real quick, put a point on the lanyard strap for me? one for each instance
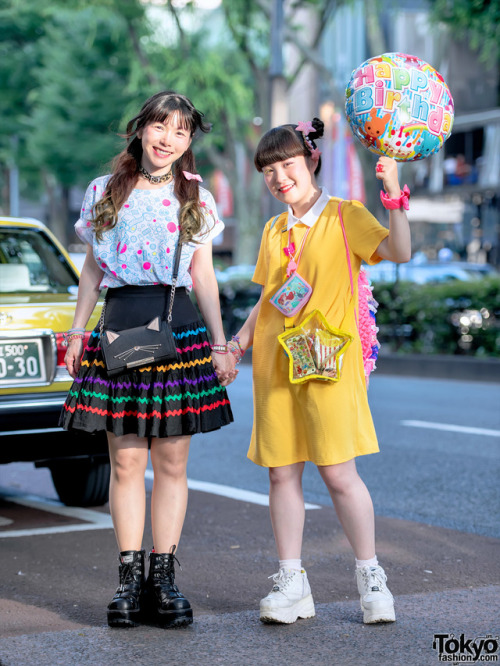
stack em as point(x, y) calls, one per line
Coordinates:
point(292, 264)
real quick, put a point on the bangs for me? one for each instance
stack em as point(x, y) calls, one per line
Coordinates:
point(169, 107)
point(279, 144)
point(169, 112)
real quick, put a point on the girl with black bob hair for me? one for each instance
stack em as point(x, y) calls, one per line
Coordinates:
point(321, 240)
point(132, 221)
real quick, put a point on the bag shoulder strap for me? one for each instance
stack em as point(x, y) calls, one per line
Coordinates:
point(348, 254)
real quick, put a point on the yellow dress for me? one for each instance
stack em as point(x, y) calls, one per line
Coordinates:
point(323, 422)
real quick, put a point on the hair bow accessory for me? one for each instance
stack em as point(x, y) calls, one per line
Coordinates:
point(192, 176)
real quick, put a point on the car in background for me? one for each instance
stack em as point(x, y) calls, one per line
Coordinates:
point(38, 291)
point(428, 272)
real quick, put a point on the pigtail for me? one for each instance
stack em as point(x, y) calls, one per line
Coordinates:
point(319, 129)
point(191, 217)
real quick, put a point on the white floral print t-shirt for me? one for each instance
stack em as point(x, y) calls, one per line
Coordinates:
point(140, 249)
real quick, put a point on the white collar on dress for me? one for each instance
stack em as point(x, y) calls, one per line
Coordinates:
point(310, 218)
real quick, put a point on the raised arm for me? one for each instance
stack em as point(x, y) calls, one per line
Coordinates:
point(396, 246)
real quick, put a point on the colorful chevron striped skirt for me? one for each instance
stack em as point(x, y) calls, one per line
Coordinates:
point(181, 398)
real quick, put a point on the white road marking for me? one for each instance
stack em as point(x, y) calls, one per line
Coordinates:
point(452, 428)
point(95, 519)
point(230, 492)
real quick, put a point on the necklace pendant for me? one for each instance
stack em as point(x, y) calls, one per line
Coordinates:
point(292, 266)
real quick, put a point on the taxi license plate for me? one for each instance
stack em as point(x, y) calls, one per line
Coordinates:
point(21, 361)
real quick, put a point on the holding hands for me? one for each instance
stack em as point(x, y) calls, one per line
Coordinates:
point(225, 366)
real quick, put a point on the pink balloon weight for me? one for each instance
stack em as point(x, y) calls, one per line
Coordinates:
point(398, 105)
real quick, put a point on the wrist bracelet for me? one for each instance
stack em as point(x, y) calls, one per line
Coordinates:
point(221, 349)
point(396, 202)
point(236, 339)
point(235, 351)
point(75, 330)
point(73, 336)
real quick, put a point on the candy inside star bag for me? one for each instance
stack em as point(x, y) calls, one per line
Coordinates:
point(315, 349)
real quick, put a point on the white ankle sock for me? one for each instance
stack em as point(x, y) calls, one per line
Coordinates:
point(295, 565)
point(373, 562)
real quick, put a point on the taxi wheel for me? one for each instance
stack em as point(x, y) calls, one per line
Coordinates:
point(81, 482)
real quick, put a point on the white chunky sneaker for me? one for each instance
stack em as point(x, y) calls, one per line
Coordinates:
point(289, 599)
point(377, 602)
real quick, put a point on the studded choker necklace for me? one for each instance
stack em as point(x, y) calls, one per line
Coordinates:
point(155, 179)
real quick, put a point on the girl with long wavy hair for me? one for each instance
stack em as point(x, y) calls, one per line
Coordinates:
point(134, 221)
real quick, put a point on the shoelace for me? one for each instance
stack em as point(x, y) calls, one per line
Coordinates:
point(374, 579)
point(127, 573)
point(281, 579)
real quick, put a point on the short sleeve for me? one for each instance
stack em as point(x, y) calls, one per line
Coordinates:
point(213, 226)
point(83, 227)
point(364, 232)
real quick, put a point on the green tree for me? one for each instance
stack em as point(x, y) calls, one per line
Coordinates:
point(477, 20)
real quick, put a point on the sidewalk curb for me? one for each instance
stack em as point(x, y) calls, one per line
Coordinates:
point(438, 366)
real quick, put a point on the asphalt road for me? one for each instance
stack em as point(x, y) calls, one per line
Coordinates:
point(436, 496)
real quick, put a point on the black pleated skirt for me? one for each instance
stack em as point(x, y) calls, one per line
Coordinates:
point(180, 398)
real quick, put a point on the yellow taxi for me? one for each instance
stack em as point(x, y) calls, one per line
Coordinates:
point(38, 291)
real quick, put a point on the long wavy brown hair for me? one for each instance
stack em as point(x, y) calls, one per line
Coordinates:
point(158, 108)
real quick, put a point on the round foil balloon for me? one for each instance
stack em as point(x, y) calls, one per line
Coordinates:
point(398, 105)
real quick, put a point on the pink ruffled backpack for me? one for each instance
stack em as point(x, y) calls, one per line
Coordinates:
point(365, 313)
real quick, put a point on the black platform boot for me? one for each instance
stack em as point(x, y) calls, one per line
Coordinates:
point(125, 609)
point(166, 606)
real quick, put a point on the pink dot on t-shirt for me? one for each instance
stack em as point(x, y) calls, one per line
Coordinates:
point(168, 250)
point(146, 265)
point(171, 227)
point(126, 205)
point(124, 265)
point(95, 188)
point(114, 273)
point(89, 224)
point(202, 203)
point(166, 202)
point(103, 265)
point(124, 249)
point(139, 251)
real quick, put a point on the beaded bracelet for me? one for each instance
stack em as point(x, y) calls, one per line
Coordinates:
point(236, 339)
point(396, 202)
point(73, 336)
point(235, 351)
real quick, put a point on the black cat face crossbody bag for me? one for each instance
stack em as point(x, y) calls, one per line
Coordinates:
point(150, 344)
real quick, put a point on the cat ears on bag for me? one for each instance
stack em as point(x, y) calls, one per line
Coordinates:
point(154, 325)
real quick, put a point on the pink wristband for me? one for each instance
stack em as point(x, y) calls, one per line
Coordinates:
point(397, 202)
